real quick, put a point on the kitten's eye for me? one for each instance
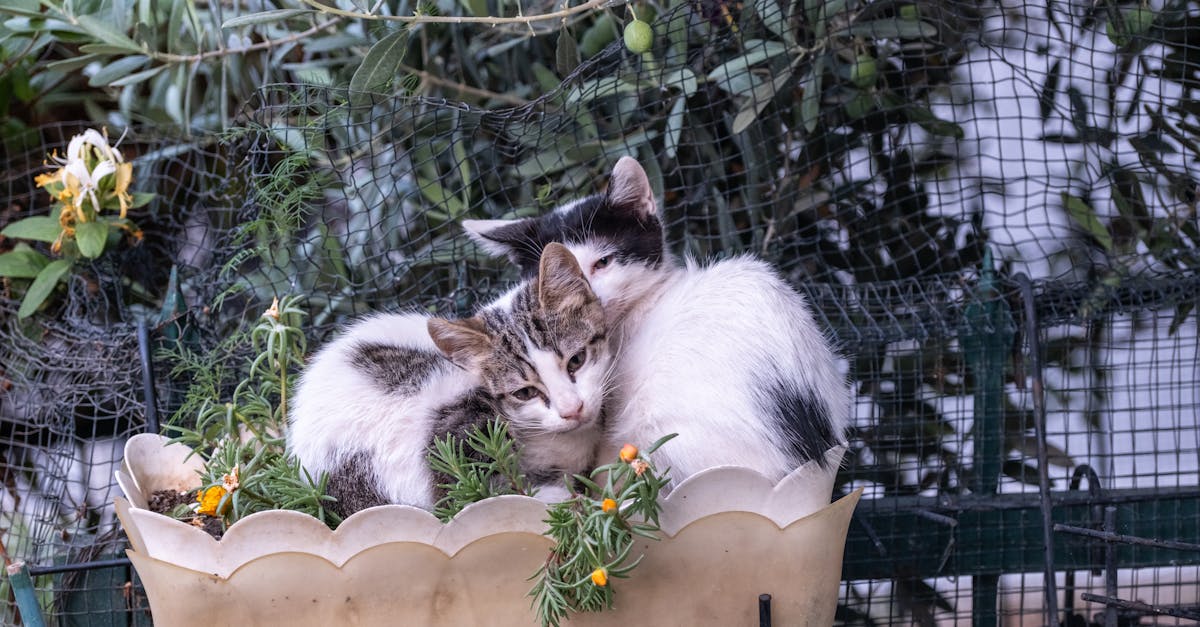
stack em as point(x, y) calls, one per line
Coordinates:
point(601, 263)
point(576, 361)
point(525, 393)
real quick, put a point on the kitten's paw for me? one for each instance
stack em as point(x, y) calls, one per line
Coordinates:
point(554, 493)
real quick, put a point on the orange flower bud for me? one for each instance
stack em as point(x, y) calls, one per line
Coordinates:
point(600, 577)
point(608, 505)
point(210, 499)
point(629, 453)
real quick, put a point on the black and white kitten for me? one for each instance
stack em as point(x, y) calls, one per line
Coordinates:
point(727, 355)
point(370, 403)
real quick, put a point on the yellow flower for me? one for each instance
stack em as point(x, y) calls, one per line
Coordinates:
point(629, 453)
point(273, 312)
point(210, 499)
point(600, 577)
point(608, 505)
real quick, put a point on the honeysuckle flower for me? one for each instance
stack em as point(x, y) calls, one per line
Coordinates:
point(87, 181)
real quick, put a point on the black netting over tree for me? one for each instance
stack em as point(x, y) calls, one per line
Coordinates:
point(991, 207)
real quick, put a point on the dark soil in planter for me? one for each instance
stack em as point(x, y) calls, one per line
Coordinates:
point(166, 502)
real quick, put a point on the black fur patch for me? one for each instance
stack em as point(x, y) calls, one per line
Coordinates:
point(353, 485)
point(803, 419)
point(396, 368)
point(637, 238)
point(459, 418)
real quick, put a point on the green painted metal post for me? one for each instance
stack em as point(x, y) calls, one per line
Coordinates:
point(986, 338)
point(26, 597)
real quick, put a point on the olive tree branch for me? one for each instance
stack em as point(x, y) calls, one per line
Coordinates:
point(590, 5)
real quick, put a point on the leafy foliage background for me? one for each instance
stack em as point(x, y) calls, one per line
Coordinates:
point(875, 151)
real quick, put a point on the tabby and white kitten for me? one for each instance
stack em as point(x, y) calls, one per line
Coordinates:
point(727, 355)
point(370, 403)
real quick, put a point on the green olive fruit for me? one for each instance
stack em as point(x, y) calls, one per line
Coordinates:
point(864, 71)
point(638, 36)
point(1137, 23)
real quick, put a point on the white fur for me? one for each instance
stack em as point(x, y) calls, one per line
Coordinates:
point(338, 410)
point(695, 347)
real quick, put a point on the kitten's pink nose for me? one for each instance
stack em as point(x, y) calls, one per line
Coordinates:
point(574, 414)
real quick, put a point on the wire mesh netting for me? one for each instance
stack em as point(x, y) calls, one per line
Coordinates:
point(991, 208)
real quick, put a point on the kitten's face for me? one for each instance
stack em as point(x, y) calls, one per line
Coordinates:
point(546, 357)
point(616, 237)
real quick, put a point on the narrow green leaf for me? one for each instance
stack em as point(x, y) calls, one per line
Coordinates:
point(932, 123)
point(762, 95)
point(71, 64)
point(1085, 216)
point(100, 28)
point(775, 19)
point(566, 52)
point(475, 7)
point(103, 49)
point(674, 128)
point(118, 69)
point(735, 73)
point(892, 28)
point(91, 236)
point(601, 88)
point(37, 228)
point(381, 64)
point(435, 193)
point(13, 9)
point(22, 263)
point(1181, 313)
point(42, 286)
point(264, 17)
point(810, 103)
point(138, 77)
point(1049, 90)
point(141, 199)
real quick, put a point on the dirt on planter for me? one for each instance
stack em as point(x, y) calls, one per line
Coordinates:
point(168, 502)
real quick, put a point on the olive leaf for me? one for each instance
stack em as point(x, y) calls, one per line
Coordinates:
point(117, 69)
point(264, 17)
point(762, 95)
point(380, 67)
point(891, 28)
point(1085, 216)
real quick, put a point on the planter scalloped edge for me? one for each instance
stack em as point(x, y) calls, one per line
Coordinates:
point(729, 534)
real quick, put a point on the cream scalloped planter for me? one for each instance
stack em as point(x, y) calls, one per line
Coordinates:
point(729, 536)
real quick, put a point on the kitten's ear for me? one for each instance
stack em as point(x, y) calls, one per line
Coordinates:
point(498, 238)
point(561, 285)
point(464, 342)
point(629, 188)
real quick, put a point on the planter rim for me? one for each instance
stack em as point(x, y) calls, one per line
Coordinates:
point(153, 463)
